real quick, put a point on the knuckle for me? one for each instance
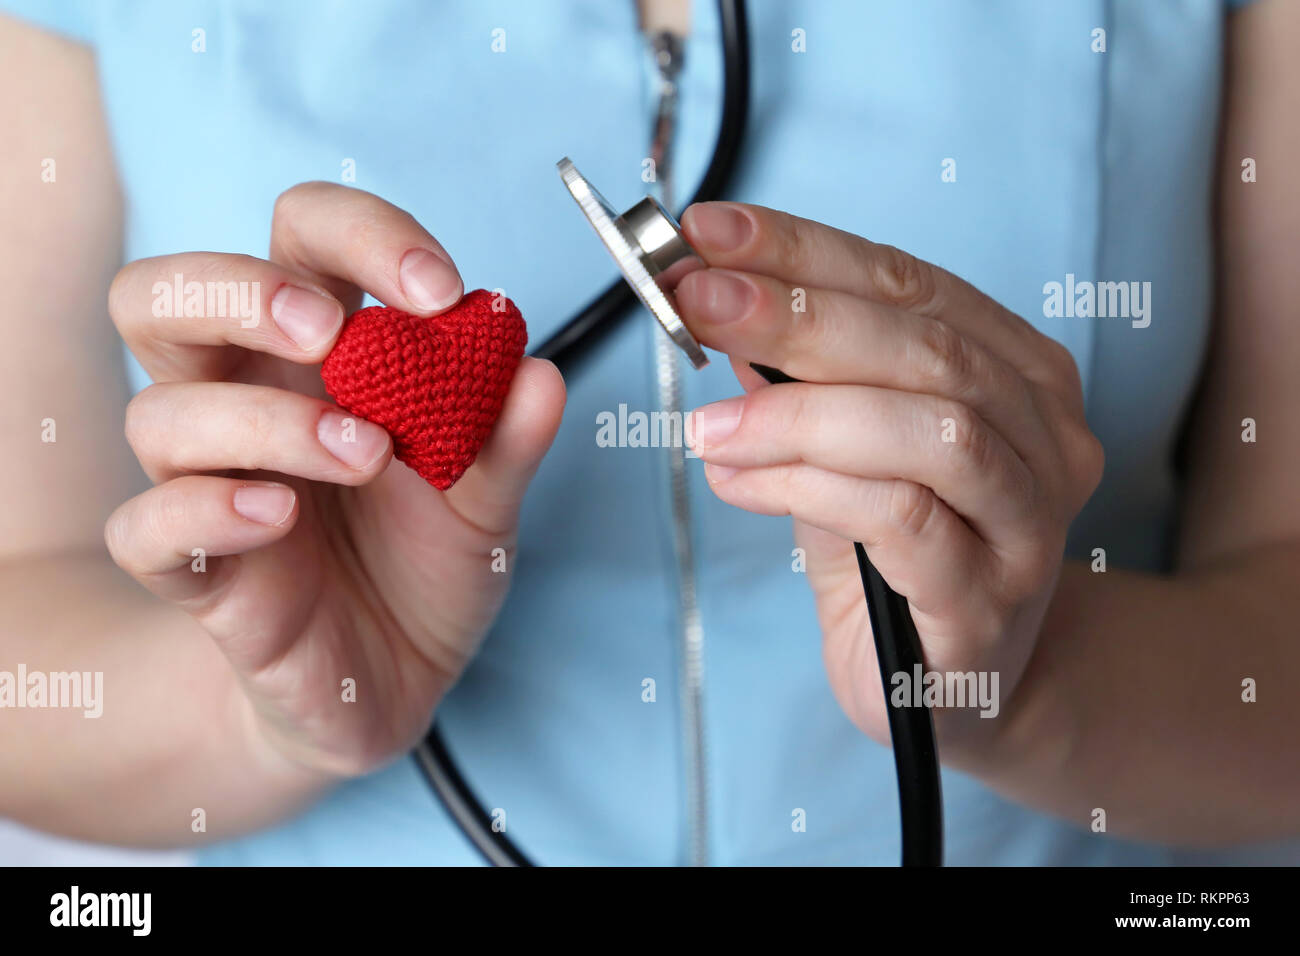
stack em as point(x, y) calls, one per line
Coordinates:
point(796, 413)
point(801, 303)
point(170, 507)
point(791, 482)
point(978, 448)
point(1086, 458)
point(1061, 369)
point(117, 295)
point(365, 231)
point(990, 619)
point(790, 236)
point(820, 325)
point(948, 359)
point(292, 200)
point(901, 278)
point(972, 447)
point(1021, 579)
point(144, 525)
point(1096, 458)
point(1059, 355)
point(285, 205)
point(910, 507)
point(117, 530)
point(253, 430)
point(140, 413)
point(1063, 359)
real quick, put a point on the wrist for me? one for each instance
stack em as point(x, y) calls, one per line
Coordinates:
point(271, 769)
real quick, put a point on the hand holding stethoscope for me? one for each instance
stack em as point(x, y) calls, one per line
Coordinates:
point(938, 428)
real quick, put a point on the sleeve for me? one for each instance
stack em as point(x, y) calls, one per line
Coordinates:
point(74, 19)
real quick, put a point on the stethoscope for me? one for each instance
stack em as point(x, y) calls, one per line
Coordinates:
point(652, 254)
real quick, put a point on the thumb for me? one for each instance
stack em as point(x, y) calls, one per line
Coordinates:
point(490, 492)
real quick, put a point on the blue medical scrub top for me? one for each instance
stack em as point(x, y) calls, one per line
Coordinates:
point(1068, 162)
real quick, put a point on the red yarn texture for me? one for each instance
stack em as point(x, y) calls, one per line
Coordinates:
point(435, 384)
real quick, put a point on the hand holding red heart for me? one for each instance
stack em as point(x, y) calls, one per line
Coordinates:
point(346, 593)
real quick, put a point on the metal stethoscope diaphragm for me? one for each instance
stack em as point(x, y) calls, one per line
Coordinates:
point(647, 244)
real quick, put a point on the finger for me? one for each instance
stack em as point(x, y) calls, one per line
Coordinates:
point(879, 433)
point(834, 337)
point(201, 542)
point(806, 253)
point(924, 550)
point(181, 314)
point(490, 492)
point(164, 537)
point(350, 240)
point(188, 427)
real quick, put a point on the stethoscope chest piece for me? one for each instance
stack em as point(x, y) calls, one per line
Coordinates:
point(650, 250)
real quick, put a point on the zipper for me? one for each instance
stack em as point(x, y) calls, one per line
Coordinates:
point(666, 50)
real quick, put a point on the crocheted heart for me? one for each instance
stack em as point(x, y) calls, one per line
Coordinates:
point(435, 384)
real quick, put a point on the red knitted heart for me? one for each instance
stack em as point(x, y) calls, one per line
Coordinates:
point(435, 384)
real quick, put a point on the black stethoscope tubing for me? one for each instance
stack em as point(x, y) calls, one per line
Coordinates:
point(898, 648)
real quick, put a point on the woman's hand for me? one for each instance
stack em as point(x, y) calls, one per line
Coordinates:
point(326, 560)
point(937, 428)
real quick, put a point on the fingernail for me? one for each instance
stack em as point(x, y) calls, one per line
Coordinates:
point(718, 296)
point(265, 504)
point(719, 226)
point(353, 441)
point(430, 282)
point(718, 473)
point(712, 424)
point(308, 318)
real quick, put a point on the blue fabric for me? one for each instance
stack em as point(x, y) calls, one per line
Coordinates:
point(73, 18)
point(1068, 162)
